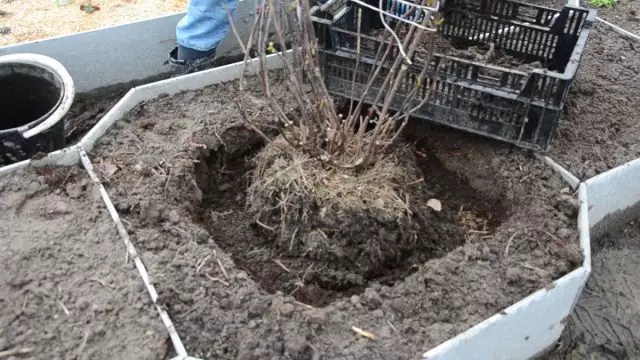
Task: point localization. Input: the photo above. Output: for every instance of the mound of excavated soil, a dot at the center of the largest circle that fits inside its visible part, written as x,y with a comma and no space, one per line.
65,288
176,169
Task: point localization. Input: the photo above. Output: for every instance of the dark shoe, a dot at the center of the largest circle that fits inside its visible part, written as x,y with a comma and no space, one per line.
186,61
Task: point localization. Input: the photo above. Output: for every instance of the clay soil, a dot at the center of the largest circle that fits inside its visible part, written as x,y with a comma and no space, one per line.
66,291
177,169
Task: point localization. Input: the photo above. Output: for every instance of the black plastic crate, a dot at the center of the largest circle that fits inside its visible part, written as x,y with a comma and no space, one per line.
519,107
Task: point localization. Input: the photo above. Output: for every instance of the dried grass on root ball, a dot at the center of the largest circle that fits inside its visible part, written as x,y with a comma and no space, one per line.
295,185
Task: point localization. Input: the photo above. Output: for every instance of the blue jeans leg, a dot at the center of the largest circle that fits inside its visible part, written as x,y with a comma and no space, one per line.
206,24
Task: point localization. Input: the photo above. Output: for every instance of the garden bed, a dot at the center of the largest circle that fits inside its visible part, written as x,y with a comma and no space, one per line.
600,127
66,288
606,321
177,171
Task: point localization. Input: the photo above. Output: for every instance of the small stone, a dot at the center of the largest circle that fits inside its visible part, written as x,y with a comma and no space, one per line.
173,217
485,253
435,204
378,313
202,235
565,190
287,309
384,332
568,205
3,343
34,187
513,274
372,299
59,207
258,307
355,279
355,299
74,190
573,254
316,316
564,233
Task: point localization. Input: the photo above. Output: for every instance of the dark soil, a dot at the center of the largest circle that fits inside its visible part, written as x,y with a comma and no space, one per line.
606,321
86,111
600,130
180,164
601,127
483,54
337,254
89,108
66,291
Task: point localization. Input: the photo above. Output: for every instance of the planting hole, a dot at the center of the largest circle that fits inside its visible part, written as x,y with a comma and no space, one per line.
338,255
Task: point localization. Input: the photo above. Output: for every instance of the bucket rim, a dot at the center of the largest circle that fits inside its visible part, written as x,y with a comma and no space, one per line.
48,114
67,91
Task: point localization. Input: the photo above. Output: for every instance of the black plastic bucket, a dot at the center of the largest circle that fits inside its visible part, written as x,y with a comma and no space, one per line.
35,94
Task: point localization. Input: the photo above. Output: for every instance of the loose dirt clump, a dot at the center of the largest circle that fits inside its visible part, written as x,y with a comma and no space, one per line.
65,289
180,175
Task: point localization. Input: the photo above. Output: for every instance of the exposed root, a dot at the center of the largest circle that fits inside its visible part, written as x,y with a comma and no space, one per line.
476,228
